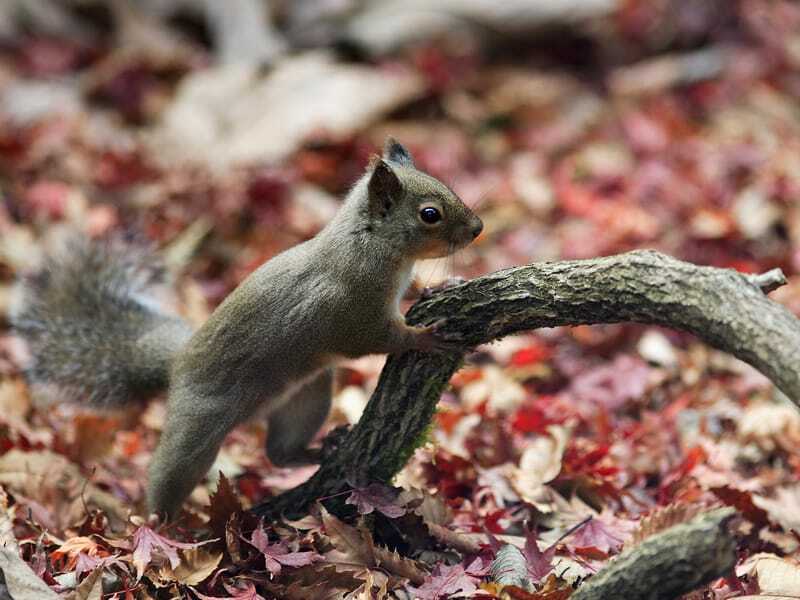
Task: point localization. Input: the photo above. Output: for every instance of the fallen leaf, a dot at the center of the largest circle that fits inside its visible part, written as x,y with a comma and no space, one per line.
196,566
146,542
307,93
540,462
378,497
91,588
597,534
538,563
662,518
776,576
277,555
771,425
348,541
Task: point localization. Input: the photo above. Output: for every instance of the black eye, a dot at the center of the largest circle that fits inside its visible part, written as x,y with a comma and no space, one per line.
430,215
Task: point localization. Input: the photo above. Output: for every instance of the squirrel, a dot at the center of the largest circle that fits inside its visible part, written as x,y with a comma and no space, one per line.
97,333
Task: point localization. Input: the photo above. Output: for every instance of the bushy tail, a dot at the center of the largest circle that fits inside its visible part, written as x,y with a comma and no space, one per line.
95,329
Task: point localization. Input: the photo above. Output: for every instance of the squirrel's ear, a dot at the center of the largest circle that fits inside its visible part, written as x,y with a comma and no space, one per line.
394,151
384,189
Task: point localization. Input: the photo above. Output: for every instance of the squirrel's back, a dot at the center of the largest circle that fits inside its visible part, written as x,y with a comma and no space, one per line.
95,329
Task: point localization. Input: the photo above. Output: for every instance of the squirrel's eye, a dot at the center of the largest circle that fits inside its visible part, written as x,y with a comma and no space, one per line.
430,215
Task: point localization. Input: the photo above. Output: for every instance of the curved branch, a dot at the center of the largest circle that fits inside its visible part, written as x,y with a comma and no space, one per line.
725,308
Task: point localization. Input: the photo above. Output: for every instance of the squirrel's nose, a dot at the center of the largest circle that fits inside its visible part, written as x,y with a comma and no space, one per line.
477,227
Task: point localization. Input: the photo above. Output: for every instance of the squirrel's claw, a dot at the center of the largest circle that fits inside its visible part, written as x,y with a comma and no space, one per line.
431,338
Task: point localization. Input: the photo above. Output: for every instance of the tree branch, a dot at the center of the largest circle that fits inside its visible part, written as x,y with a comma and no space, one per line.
668,564
725,308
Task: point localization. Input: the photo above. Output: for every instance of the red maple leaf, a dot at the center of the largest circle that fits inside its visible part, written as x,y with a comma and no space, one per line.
376,497
532,354
597,534
277,555
145,541
446,581
248,593
539,563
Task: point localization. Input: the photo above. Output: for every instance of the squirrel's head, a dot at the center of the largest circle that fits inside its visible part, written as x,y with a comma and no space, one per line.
427,217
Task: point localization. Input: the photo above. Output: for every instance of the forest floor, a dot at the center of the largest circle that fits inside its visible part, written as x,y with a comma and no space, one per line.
559,441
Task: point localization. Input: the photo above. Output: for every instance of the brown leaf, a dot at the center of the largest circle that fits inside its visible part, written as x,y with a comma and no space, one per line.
453,539
392,561
432,508
776,576
74,546
743,502
661,519
770,425
224,504
91,588
50,478
94,436
328,574
146,542
366,593
783,507
540,463
355,545
348,541
195,567
233,537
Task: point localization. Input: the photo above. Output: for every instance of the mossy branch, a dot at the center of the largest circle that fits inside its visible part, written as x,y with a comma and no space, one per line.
668,564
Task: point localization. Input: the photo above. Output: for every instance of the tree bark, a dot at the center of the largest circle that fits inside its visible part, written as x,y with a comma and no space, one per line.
668,564
727,309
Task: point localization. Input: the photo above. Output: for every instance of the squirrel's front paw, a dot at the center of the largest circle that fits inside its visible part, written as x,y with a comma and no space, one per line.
431,338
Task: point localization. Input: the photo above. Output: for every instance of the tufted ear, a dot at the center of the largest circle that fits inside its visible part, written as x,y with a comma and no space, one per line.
384,189
394,151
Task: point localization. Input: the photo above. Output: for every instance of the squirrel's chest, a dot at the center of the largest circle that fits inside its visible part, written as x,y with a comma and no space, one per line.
402,281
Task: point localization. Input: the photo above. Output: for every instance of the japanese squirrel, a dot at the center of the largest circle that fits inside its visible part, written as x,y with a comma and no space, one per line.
98,334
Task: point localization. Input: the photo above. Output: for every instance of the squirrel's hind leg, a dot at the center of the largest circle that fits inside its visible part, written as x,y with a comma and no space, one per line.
188,447
293,425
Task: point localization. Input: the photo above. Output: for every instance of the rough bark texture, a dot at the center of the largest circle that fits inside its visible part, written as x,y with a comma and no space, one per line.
669,564
723,307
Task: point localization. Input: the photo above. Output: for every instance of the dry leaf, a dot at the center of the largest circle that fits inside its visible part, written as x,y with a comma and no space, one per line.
453,539
770,425
306,94
540,463
348,541
94,437
661,519
391,561
91,588
784,507
502,392
195,567
776,576
355,545
50,477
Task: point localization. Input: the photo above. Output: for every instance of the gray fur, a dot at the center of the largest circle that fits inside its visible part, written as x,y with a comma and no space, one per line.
93,330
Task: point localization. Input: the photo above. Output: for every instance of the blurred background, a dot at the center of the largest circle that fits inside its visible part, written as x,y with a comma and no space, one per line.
577,127
227,131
